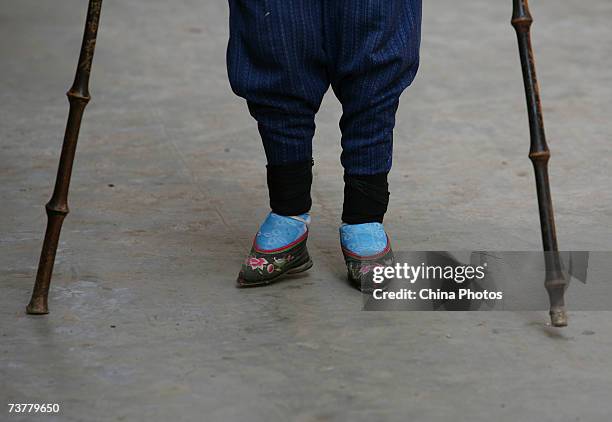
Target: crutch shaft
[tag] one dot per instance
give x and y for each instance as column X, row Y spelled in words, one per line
column 539, row 154
column 57, row 207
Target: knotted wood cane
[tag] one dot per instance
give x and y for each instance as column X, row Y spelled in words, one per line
column 539, row 154
column 57, row 207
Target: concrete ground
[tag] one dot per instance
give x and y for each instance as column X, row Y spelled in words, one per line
column 169, row 187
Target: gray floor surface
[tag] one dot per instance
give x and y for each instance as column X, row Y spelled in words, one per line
column 169, row 187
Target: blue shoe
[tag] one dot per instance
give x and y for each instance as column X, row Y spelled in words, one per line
column 365, row 246
column 279, row 248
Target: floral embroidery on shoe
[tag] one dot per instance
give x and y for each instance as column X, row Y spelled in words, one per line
column 263, row 264
column 257, row 263
column 282, row 261
column 360, row 270
column 364, row 270
column 261, row 268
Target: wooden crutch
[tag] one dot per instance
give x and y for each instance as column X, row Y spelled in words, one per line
column 539, row 154
column 57, row 207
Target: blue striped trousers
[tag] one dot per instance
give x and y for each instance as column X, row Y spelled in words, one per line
column 283, row 55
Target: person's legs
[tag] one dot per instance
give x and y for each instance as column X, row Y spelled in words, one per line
column 375, row 56
column 276, row 61
column 375, row 45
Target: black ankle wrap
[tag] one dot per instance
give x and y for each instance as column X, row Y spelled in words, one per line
column 289, row 187
column 365, row 198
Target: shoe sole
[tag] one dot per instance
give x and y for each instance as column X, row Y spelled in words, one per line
column 365, row 290
column 242, row 284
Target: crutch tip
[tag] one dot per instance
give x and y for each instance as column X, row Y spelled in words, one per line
column 37, row 306
column 558, row 317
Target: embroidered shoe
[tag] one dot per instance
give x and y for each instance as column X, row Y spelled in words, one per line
column 365, row 247
column 278, row 249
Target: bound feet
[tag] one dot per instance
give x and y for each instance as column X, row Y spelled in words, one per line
column 365, row 247
column 279, row 248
